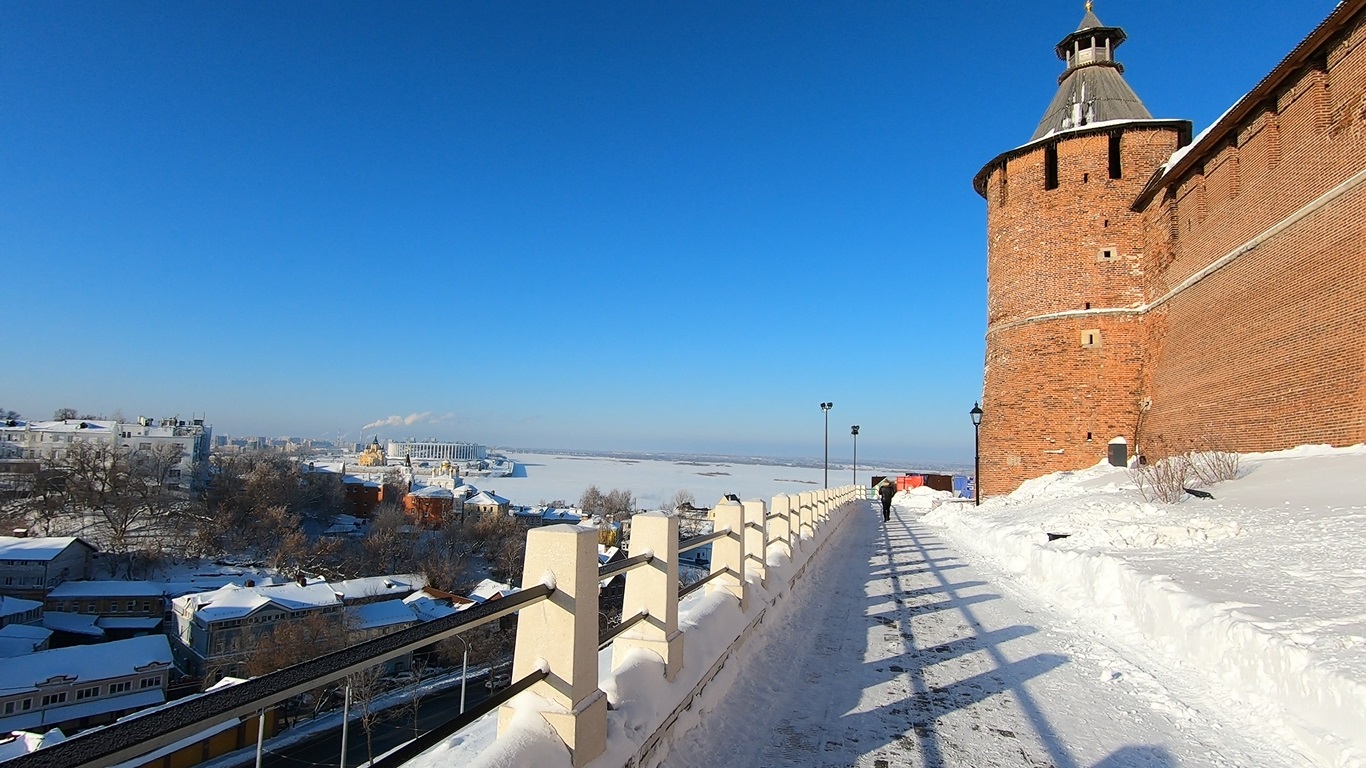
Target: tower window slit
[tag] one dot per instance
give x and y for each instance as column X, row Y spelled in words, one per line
column 1050, row 166
column 1115, row 167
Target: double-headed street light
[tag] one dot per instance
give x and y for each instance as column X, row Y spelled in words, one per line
column 825, row 408
column 976, row 414
column 854, row 431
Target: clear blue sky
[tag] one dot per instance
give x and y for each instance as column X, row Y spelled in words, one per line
column 673, row 226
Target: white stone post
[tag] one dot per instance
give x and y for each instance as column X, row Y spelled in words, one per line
column 808, row 529
column 755, row 549
column 653, row 589
column 780, row 527
column 794, row 522
column 561, row 633
column 728, row 553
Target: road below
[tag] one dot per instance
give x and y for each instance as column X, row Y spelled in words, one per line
column 396, row 727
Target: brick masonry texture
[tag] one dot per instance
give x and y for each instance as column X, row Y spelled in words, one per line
column 1266, row 351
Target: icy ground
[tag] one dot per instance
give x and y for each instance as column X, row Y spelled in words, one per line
column 915, row 655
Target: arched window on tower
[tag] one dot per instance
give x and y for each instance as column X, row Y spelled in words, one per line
column 1050, row 166
column 1116, row 169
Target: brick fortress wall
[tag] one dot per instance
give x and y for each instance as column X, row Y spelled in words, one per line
column 1268, row 351
column 1265, row 351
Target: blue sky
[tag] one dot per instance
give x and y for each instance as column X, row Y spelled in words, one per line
column 613, row 225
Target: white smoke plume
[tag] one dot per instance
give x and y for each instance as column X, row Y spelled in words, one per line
column 410, row 419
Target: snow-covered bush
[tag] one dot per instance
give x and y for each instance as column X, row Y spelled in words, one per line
column 1164, row 480
column 1210, row 467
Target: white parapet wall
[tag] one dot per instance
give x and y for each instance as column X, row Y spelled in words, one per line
column 619, row 711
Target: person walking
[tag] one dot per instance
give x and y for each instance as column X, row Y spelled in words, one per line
column 886, row 489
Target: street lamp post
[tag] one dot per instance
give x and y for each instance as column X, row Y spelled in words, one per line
column 976, row 414
column 854, row 431
column 825, row 408
column 464, row 670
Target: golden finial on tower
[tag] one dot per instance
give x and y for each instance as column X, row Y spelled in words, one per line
column 1088, row 6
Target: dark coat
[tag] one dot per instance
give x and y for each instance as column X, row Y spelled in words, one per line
column 886, row 491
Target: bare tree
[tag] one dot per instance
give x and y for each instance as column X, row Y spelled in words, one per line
column 386, row 546
column 618, row 504
column 100, row 482
column 62, row 414
column 366, row 686
column 287, row 643
column 593, row 502
column 419, row 669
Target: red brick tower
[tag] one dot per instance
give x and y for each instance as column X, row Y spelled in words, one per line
column 1065, row 340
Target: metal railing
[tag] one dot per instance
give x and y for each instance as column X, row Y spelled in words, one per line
column 145, row 733
column 156, row 729
column 456, row 724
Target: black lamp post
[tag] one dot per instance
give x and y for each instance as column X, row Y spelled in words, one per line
column 825, row 408
column 976, row 414
column 854, row 431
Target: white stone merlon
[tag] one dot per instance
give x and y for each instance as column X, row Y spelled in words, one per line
column 728, row 552
column 652, row 589
column 807, row 502
column 560, row 634
column 755, row 549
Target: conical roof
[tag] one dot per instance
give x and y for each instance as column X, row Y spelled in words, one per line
column 1092, row 89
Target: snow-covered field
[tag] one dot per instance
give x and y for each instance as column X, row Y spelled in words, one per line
column 548, row 477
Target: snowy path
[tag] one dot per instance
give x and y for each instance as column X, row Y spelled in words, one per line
column 898, row 651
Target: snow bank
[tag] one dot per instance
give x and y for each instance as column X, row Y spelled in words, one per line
column 1259, row 589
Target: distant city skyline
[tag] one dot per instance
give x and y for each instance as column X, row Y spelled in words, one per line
column 620, row 227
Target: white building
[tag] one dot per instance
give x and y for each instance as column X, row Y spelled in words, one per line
column 435, row 451
column 219, row 629
column 49, row 439
column 29, row 567
column 75, row 688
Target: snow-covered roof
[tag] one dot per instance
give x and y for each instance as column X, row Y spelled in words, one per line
column 427, row 608
column 233, row 601
column 402, row 584
column 21, row 639
column 42, row 548
column 72, row 623
column 25, row 632
column 488, row 589
column 13, row 606
column 18, row 743
column 73, row 425
column 432, row 492
column 112, row 588
column 487, row 498
column 87, row 663
column 382, row 614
